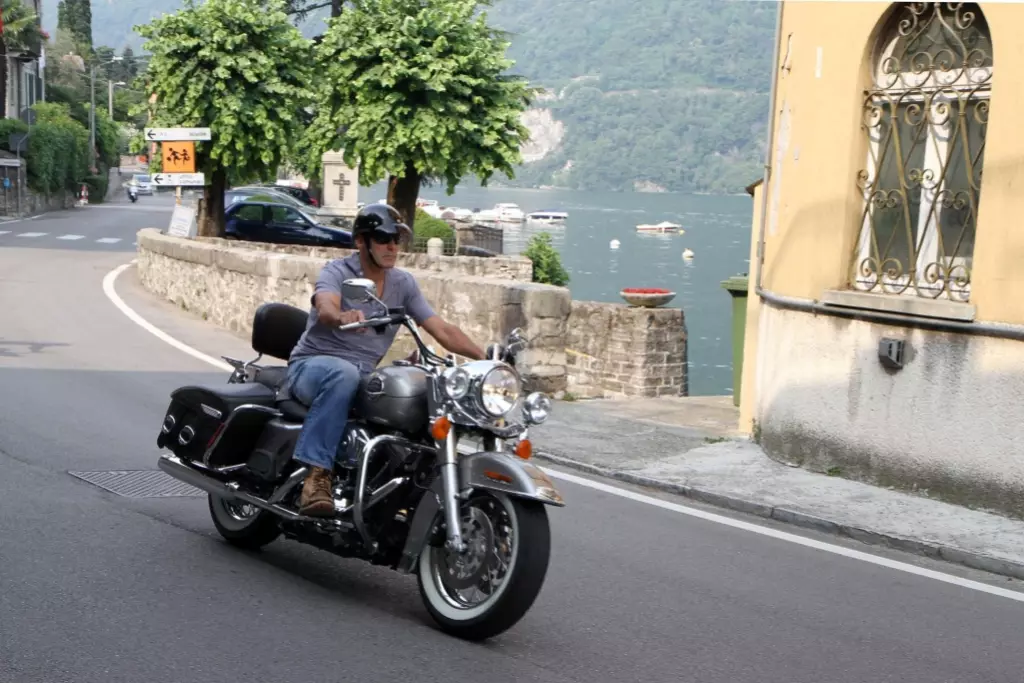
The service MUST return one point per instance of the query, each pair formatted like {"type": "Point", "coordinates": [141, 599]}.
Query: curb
{"type": "Point", "coordinates": [935, 551]}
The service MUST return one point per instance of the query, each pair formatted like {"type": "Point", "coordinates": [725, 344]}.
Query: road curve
{"type": "Point", "coordinates": [98, 587]}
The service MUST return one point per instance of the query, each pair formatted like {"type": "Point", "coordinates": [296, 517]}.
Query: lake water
{"type": "Point", "coordinates": [717, 230]}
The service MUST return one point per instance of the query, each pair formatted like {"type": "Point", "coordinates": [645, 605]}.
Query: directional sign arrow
{"type": "Point", "coordinates": [178, 179]}
{"type": "Point", "coordinates": [178, 134]}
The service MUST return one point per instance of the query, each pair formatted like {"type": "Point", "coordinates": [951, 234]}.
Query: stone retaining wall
{"type": "Point", "coordinates": [591, 349]}
{"type": "Point", "coordinates": [615, 349]}
{"type": "Point", "coordinates": [516, 268]}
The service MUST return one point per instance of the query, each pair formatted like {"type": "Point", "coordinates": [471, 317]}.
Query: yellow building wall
{"type": "Point", "coordinates": [951, 420]}
{"type": "Point", "coordinates": [814, 207]}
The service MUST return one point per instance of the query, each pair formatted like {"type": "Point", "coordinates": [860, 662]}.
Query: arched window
{"type": "Point", "coordinates": [925, 117]}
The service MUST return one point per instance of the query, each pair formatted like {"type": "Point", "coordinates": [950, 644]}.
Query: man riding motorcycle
{"type": "Point", "coordinates": [327, 365]}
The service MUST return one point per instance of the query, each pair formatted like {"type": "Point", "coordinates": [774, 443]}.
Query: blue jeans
{"type": "Point", "coordinates": [327, 384]}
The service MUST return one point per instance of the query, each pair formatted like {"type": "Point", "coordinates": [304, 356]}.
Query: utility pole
{"type": "Point", "coordinates": [92, 114]}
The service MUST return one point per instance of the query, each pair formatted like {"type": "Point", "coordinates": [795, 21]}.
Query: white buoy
{"type": "Point", "coordinates": [687, 254]}
{"type": "Point", "coordinates": [614, 244]}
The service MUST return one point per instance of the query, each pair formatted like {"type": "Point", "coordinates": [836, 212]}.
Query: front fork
{"type": "Point", "coordinates": [450, 479]}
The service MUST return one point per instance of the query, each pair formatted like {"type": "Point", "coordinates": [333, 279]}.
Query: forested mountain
{"type": "Point", "coordinates": [643, 94]}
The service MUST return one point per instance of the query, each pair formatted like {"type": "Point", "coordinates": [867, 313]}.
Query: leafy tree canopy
{"type": "Point", "coordinates": [240, 68]}
{"type": "Point", "coordinates": [416, 89]}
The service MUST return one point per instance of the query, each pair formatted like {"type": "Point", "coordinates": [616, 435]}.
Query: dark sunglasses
{"type": "Point", "coordinates": [385, 238]}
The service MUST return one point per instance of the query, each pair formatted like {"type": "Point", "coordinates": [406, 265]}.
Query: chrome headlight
{"type": "Point", "coordinates": [499, 391]}
{"type": "Point", "coordinates": [536, 408]}
{"type": "Point", "coordinates": [456, 384]}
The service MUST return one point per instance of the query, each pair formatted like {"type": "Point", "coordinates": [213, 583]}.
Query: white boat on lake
{"type": "Point", "coordinates": [547, 216]}
{"type": "Point", "coordinates": [663, 227]}
{"type": "Point", "coordinates": [501, 213]}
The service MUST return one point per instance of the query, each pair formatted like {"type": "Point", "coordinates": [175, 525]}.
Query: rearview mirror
{"type": "Point", "coordinates": [359, 290]}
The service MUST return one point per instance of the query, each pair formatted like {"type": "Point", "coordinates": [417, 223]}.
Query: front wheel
{"type": "Point", "coordinates": [242, 524]}
{"type": "Point", "coordinates": [488, 588]}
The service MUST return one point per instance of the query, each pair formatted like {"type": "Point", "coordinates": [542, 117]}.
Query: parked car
{"type": "Point", "coordinates": [258, 221]}
{"type": "Point", "coordinates": [246, 193]}
{"type": "Point", "coordinates": [297, 192]}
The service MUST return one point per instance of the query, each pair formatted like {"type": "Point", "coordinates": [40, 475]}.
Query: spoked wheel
{"type": "Point", "coordinates": [243, 524]}
{"type": "Point", "coordinates": [485, 590]}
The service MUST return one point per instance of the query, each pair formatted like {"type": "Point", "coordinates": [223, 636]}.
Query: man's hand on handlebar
{"type": "Point", "coordinates": [348, 317]}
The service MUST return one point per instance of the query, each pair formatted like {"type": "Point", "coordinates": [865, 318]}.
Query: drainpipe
{"type": "Point", "coordinates": [981, 329]}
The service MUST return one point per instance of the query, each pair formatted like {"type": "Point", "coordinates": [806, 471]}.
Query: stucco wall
{"type": "Point", "coordinates": [225, 282]}
{"type": "Point", "coordinates": [949, 424]}
{"type": "Point", "coordinates": [818, 148]}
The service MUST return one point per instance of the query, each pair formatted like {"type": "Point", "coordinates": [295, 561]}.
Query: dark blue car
{"type": "Point", "coordinates": [280, 224]}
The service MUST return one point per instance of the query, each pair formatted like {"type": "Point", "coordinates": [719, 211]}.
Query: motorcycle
{"type": "Point", "coordinates": [133, 194]}
{"type": "Point", "coordinates": [432, 476]}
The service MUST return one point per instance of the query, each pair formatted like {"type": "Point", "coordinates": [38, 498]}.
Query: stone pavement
{"type": "Point", "coordinates": [689, 446]}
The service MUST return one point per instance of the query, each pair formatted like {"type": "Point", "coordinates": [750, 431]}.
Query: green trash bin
{"type": "Point", "coordinates": [737, 288]}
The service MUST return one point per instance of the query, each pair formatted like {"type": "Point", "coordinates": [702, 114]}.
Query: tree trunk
{"type": "Point", "coordinates": [403, 191]}
{"type": "Point", "coordinates": [211, 222]}
{"type": "Point", "coordinates": [315, 191]}
{"type": "Point", "coordinates": [336, 8]}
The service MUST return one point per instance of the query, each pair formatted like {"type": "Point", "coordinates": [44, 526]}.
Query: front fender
{"type": "Point", "coordinates": [508, 474]}
{"type": "Point", "coordinates": [484, 470]}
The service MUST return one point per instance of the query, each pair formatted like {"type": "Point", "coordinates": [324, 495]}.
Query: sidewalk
{"type": "Point", "coordinates": [689, 446]}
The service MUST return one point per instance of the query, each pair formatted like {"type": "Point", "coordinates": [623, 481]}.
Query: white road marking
{"type": "Point", "coordinates": [71, 237]}
{"type": "Point", "coordinates": [109, 240]}
{"type": "Point", "coordinates": [33, 234]}
{"type": "Point", "coordinates": [108, 289]}
{"type": "Point", "coordinates": [5, 232]}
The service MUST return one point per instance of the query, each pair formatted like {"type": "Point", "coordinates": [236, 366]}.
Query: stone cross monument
{"type": "Point", "coordinates": [340, 187]}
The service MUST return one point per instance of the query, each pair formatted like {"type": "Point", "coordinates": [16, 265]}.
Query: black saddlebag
{"type": "Point", "coordinates": [197, 414]}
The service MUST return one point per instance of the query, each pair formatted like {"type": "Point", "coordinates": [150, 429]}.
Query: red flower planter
{"type": "Point", "coordinates": [648, 297]}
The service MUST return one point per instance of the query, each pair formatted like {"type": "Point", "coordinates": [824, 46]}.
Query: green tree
{"type": "Point", "coordinates": [413, 90]}
{"type": "Point", "coordinates": [75, 16]}
{"type": "Point", "coordinates": [21, 26]}
{"type": "Point", "coordinates": [547, 264]}
{"type": "Point", "coordinates": [240, 68]}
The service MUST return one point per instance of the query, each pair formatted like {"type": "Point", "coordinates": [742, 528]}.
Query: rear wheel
{"type": "Point", "coordinates": [487, 589]}
{"type": "Point", "coordinates": [242, 524]}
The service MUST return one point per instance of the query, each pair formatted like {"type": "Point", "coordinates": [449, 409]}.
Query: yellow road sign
{"type": "Point", "coordinates": [179, 157]}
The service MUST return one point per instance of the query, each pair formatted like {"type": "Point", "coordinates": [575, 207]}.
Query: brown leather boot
{"type": "Point", "coordinates": [316, 499]}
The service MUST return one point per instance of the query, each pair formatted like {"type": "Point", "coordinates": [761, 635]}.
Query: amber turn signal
{"type": "Point", "coordinates": [439, 430]}
{"type": "Point", "coordinates": [524, 449]}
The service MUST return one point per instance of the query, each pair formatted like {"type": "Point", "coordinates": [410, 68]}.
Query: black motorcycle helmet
{"type": "Point", "coordinates": [380, 223]}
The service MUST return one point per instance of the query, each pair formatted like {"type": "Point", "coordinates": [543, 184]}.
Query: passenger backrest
{"type": "Point", "coordinates": [277, 328]}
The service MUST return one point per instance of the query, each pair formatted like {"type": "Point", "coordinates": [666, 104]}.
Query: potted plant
{"type": "Point", "coordinates": [648, 297]}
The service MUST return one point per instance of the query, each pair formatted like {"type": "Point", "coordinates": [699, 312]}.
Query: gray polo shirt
{"type": "Point", "coordinates": [365, 347]}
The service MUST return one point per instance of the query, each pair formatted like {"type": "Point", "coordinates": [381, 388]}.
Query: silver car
{"type": "Point", "coordinates": [142, 182]}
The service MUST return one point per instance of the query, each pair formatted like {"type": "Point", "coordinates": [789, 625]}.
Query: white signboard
{"type": "Point", "coordinates": [183, 221]}
{"type": "Point", "coordinates": [178, 179]}
{"type": "Point", "coordinates": [10, 162]}
{"type": "Point", "coordinates": [177, 134]}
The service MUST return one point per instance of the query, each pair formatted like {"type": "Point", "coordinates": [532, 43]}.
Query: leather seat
{"type": "Point", "coordinates": [292, 410]}
{"type": "Point", "coordinates": [273, 377]}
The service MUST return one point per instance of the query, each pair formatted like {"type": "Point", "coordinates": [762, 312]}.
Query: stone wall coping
{"type": "Point", "coordinates": [420, 261]}
{"type": "Point", "coordinates": [272, 264]}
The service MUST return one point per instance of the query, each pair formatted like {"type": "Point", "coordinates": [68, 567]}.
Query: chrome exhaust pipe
{"type": "Point", "coordinates": [174, 466]}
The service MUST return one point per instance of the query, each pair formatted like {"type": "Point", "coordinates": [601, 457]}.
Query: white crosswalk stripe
{"type": "Point", "coordinates": [109, 240]}
{"type": "Point", "coordinates": [71, 237]}
{"type": "Point", "coordinates": [33, 234]}
{"type": "Point", "coordinates": [5, 232]}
